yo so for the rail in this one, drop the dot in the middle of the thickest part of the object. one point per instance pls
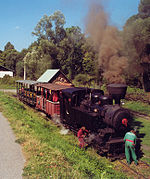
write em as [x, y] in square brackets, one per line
[134, 171]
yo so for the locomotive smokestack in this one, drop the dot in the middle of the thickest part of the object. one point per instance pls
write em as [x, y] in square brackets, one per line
[117, 92]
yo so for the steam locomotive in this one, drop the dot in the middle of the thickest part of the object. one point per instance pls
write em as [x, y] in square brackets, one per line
[106, 122]
[101, 114]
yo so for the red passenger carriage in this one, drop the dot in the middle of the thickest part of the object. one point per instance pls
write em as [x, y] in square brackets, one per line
[48, 98]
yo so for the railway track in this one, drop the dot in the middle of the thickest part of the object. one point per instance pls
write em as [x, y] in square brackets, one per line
[136, 170]
[139, 114]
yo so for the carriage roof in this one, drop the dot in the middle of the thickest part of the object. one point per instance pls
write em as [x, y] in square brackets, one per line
[52, 86]
[30, 82]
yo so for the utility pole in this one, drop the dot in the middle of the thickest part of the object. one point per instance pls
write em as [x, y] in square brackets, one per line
[24, 61]
[24, 71]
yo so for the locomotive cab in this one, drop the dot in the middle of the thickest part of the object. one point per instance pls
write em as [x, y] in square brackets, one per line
[77, 111]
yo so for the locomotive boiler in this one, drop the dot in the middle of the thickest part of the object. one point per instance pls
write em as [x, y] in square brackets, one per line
[102, 115]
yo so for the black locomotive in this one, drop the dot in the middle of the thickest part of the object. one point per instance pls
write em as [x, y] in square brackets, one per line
[107, 122]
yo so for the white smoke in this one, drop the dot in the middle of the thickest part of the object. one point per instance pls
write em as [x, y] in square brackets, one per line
[56, 119]
[64, 131]
[90, 138]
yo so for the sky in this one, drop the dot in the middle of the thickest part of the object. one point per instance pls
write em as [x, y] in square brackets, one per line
[18, 18]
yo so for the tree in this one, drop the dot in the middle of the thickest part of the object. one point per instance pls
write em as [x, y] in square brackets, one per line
[144, 8]
[8, 46]
[30, 63]
[70, 52]
[137, 39]
[51, 27]
[90, 59]
[1, 58]
[10, 59]
[61, 48]
[48, 50]
[20, 63]
[50, 32]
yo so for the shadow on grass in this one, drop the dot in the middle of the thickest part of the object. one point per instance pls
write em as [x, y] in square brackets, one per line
[139, 135]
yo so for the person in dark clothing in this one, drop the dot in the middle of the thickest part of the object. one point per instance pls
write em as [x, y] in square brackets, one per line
[82, 133]
[130, 142]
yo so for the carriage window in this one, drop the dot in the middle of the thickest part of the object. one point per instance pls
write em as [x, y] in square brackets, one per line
[55, 96]
[38, 91]
[49, 95]
[74, 100]
[44, 92]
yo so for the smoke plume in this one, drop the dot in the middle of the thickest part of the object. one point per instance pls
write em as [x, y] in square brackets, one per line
[57, 121]
[90, 138]
[107, 42]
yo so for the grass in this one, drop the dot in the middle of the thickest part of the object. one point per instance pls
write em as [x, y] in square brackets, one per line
[135, 90]
[48, 153]
[143, 126]
[8, 82]
[144, 135]
[5, 86]
[137, 94]
[137, 106]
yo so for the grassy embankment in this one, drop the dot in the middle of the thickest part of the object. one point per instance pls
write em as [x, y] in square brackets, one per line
[142, 124]
[48, 153]
[144, 135]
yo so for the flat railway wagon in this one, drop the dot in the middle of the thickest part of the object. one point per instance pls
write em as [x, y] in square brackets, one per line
[102, 115]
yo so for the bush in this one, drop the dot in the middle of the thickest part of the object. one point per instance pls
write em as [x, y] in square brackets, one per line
[8, 81]
[84, 80]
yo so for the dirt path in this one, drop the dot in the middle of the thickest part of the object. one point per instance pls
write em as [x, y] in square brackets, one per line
[11, 158]
[9, 90]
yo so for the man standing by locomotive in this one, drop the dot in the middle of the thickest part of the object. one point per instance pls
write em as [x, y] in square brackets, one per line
[82, 133]
[130, 142]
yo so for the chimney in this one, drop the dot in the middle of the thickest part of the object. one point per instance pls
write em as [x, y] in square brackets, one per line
[117, 92]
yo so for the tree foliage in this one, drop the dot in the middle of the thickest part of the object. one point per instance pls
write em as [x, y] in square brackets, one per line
[51, 27]
[63, 48]
[8, 46]
[144, 8]
[136, 35]
[10, 58]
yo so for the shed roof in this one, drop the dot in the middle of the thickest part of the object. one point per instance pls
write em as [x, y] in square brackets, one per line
[2, 68]
[48, 75]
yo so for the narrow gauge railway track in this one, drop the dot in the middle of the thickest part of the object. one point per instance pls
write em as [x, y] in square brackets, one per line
[134, 171]
[139, 114]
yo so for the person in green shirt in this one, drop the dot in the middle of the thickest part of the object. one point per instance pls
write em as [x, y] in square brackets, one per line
[130, 142]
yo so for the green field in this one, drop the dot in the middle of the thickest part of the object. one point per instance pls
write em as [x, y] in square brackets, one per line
[138, 106]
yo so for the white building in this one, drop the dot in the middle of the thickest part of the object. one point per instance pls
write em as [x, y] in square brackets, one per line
[5, 71]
